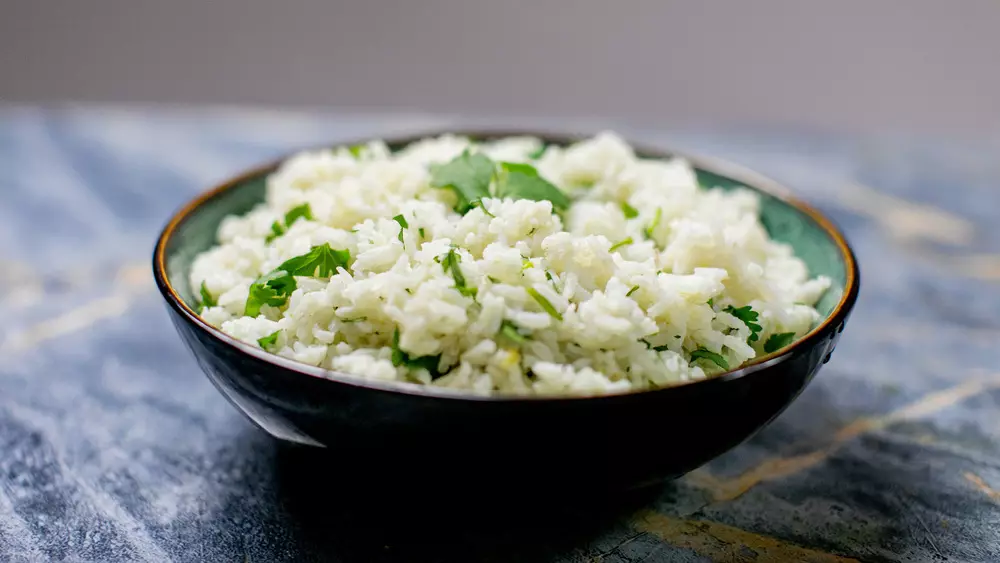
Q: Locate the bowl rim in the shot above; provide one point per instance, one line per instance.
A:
(713, 165)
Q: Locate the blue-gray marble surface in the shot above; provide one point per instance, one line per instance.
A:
(114, 447)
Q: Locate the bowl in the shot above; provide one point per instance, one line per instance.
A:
(415, 434)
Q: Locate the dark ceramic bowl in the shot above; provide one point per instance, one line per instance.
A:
(420, 434)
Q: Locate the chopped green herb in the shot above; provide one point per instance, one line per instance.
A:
(357, 151)
(269, 341)
(703, 354)
(648, 231)
(480, 205)
(299, 212)
(545, 304)
(277, 229)
(525, 264)
(620, 244)
(468, 175)
(450, 263)
(275, 287)
(403, 225)
(206, 298)
(321, 261)
(711, 302)
(629, 211)
(778, 341)
(492, 279)
(509, 331)
(401, 358)
(421, 231)
(521, 181)
(549, 277)
(631, 291)
(294, 214)
(354, 320)
(749, 318)
(537, 153)
(271, 289)
(662, 348)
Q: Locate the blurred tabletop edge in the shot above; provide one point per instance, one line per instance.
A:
(116, 448)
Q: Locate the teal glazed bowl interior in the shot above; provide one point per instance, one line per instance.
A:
(550, 443)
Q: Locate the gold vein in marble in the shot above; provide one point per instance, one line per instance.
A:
(723, 543)
(130, 281)
(905, 220)
(980, 484)
(723, 490)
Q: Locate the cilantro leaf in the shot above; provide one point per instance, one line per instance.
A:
(749, 318)
(545, 304)
(703, 354)
(450, 264)
(294, 214)
(277, 229)
(631, 291)
(298, 212)
(403, 225)
(206, 298)
(270, 340)
(537, 153)
(620, 244)
(509, 331)
(321, 261)
(778, 341)
(271, 289)
(357, 151)
(401, 358)
(521, 181)
(629, 211)
(468, 175)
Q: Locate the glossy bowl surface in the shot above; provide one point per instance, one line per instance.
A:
(424, 434)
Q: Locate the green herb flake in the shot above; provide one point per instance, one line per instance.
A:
(525, 264)
(544, 303)
(450, 263)
(521, 181)
(421, 231)
(778, 341)
(321, 261)
(271, 289)
(711, 302)
(634, 289)
(648, 231)
(537, 153)
(492, 279)
(357, 151)
(509, 331)
(403, 225)
(703, 354)
(354, 320)
(298, 212)
(749, 318)
(468, 175)
(206, 297)
(629, 211)
(620, 244)
(480, 205)
(269, 341)
(277, 229)
(401, 358)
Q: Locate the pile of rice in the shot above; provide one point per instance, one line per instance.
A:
(624, 319)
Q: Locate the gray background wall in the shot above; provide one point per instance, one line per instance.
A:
(899, 65)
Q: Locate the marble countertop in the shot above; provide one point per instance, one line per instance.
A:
(114, 446)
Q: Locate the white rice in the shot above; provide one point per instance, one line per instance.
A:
(630, 318)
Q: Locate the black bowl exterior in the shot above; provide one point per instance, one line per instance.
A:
(600, 442)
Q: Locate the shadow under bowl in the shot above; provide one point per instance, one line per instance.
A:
(379, 432)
